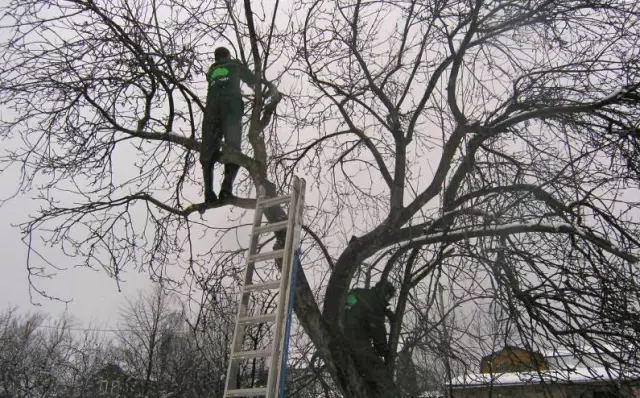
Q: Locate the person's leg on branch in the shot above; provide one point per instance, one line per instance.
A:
(207, 178)
(230, 172)
(209, 153)
(233, 140)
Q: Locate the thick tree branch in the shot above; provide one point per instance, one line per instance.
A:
(456, 235)
(616, 97)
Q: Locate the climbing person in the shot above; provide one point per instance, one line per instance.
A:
(364, 328)
(223, 118)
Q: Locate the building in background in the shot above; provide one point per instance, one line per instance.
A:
(517, 373)
(113, 382)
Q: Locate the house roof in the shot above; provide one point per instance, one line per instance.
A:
(509, 349)
(585, 349)
(432, 394)
(579, 375)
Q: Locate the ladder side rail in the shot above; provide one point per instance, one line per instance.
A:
(290, 291)
(239, 329)
(274, 369)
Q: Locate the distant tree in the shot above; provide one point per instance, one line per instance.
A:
(149, 338)
(209, 333)
(33, 355)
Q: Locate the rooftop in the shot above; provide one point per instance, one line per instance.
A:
(579, 375)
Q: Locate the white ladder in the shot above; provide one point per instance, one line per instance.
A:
(283, 287)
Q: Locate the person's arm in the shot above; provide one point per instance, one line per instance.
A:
(378, 331)
(390, 314)
(246, 75)
(251, 79)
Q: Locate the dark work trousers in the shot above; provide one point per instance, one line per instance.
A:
(222, 119)
(377, 374)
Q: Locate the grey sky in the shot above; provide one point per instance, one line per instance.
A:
(95, 298)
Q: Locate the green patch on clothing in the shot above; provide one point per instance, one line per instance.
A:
(351, 301)
(219, 72)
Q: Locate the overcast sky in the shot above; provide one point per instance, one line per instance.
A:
(95, 297)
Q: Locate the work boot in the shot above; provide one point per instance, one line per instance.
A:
(207, 178)
(230, 172)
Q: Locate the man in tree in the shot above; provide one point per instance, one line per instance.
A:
(223, 118)
(363, 324)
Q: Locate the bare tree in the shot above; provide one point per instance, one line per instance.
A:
(167, 352)
(149, 339)
(454, 132)
(88, 354)
(33, 355)
(211, 334)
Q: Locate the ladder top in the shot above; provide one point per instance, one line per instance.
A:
(266, 256)
(271, 227)
(269, 202)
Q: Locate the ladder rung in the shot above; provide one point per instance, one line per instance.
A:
(262, 286)
(278, 200)
(251, 354)
(247, 392)
(273, 227)
(254, 258)
(258, 319)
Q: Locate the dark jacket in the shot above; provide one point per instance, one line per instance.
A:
(224, 79)
(365, 316)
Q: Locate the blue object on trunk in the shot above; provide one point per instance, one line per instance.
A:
(287, 332)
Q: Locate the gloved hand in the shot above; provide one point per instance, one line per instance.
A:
(272, 93)
(390, 314)
(382, 350)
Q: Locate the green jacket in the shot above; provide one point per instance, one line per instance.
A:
(365, 316)
(224, 78)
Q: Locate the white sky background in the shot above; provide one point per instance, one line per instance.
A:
(95, 297)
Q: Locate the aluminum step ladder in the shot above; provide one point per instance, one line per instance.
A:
(277, 351)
